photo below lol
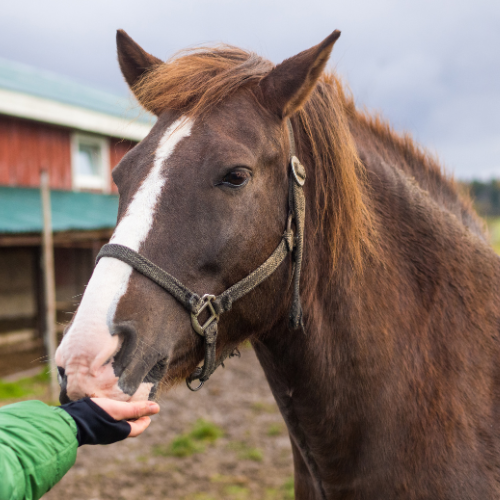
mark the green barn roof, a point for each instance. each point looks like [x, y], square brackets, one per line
[21, 210]
[26, 79]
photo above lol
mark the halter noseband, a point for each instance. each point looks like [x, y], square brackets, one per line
[216, 305]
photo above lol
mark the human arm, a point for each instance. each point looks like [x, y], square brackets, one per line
[38, 443]
[37, 447]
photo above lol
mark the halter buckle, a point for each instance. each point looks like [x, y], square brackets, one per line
[298, 171]
[206, 303]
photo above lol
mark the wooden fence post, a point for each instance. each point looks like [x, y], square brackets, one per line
[49, 283]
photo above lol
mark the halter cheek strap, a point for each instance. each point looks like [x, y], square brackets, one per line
[216, 305]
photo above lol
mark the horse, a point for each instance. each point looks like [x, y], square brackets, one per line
[377, 320]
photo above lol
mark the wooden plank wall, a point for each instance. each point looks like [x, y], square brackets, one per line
[28, 146]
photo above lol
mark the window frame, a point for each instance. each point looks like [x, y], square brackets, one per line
[87, 182]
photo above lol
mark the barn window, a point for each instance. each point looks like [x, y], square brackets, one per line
[90, 162]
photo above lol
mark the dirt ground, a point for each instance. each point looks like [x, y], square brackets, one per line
[250, 460]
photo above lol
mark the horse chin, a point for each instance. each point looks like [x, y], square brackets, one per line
[108, 385]
[145, 391]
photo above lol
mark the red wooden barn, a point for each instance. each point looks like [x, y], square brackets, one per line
[78, 134]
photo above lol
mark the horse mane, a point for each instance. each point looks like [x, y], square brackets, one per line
[194, 81]
[420, 165]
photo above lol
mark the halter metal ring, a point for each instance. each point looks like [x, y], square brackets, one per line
[194, 389]
[206, 303]
[298, 171]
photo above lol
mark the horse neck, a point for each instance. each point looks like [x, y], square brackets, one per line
[356, 354]
[317, 373]
[318, 380]
[379, 349]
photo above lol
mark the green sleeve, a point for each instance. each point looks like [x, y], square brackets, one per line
[37, 447]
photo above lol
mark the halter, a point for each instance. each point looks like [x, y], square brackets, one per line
[216, 305]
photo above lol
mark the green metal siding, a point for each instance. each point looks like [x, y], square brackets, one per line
[21, 210]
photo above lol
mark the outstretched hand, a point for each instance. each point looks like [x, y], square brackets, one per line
[136, 413]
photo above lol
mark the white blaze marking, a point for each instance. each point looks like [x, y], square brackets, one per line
[89, 344]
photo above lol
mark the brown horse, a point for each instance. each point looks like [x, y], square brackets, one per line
[391, 389]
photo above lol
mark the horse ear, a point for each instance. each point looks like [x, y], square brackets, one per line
[286, 88]
[134, 61]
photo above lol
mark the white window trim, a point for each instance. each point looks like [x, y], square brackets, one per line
[49, 111]
[80, 182]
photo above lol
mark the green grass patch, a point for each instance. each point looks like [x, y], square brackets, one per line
[12, 390]
[271, 494]
[285, 492]
[493, 224]
[288, 489]
[24, 387]
[222, 479]
[275, 430]
[246, 452]
[180, 447]
[261, 407]
[236, 492]
[206, 431]
[194, 441]
[254, 454]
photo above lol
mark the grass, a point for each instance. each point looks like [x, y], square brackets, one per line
[493, 224]
[261, 407]
[221, 478]
[288, 489]
[30, 386]
[180, 447]
[275, 430]
[206, 431]
[254, 454]
[236, 492]
[285, 492]
[246, 452]
[189, 443]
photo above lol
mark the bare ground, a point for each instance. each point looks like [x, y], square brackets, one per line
[251, 460]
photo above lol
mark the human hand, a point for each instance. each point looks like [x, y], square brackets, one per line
[136, 413]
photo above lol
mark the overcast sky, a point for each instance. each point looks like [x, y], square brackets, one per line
[432, 67]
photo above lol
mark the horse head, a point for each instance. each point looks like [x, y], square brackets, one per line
[205, 197]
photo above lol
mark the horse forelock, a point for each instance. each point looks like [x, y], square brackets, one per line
[194, 81]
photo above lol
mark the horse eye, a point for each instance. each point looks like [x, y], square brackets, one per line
[236, 178]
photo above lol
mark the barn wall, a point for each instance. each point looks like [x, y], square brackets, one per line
[73, 268]
[27, 146]
[21, 285]
[17, 294]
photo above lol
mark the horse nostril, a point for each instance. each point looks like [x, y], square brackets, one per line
[128, 336]
[63, 382]
[61, 375]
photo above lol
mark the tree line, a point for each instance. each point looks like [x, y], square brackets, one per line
[486, 197]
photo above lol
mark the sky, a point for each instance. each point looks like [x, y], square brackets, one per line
[431, 67]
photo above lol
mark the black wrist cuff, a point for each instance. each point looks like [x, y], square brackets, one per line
[94, 425]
